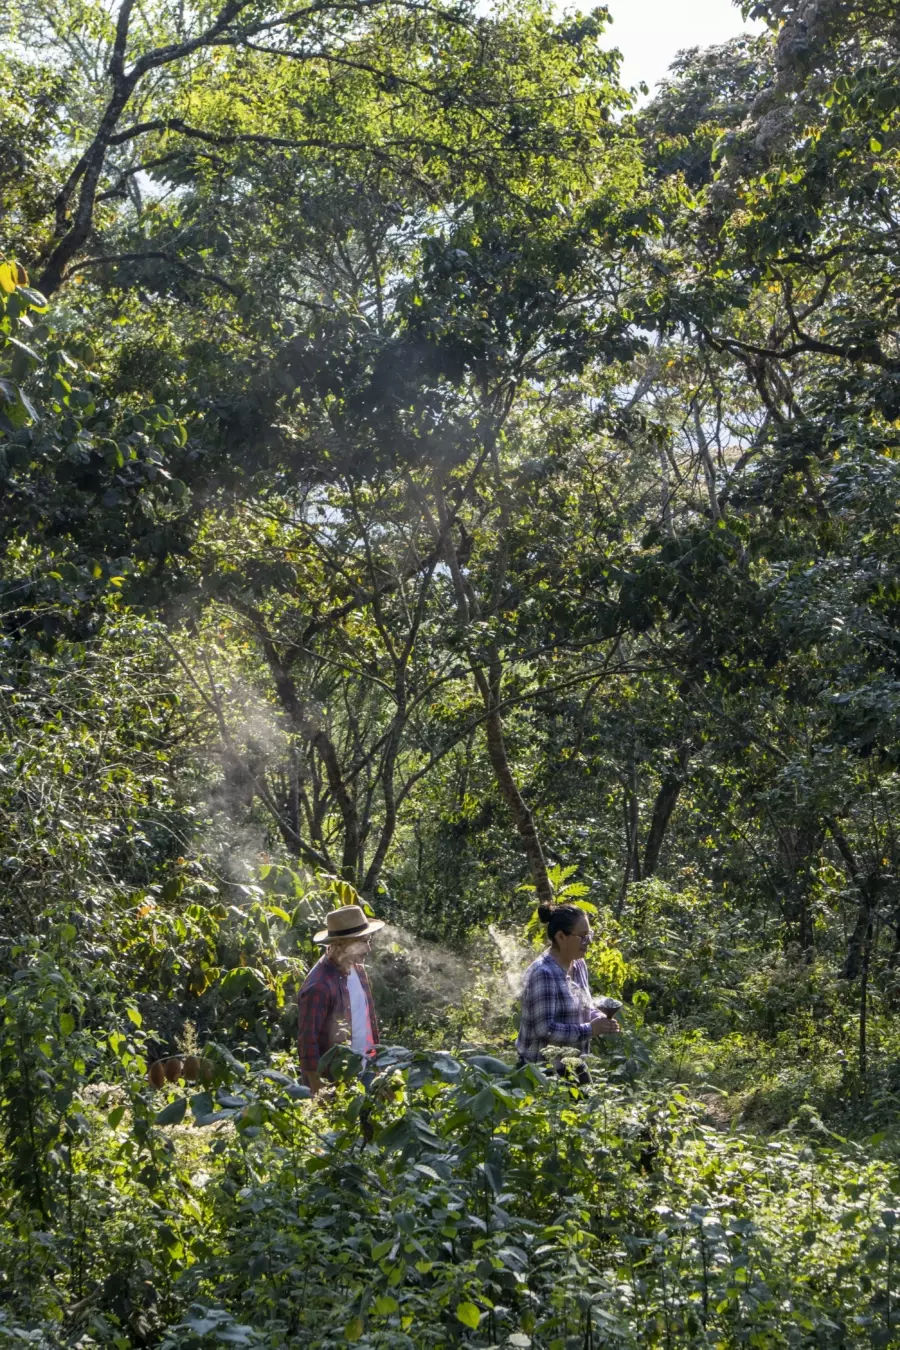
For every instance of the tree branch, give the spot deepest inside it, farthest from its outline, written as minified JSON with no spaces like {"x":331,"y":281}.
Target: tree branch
{"x":156,"y":255}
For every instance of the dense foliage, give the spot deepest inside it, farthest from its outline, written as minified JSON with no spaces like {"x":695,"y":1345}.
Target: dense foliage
{"x":428,"y":478}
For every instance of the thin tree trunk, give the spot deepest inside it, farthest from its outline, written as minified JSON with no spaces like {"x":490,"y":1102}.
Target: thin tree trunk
{"x":389,"y":795}
{"x":87,"y":173}
{"x":864,"y":889}
{"x":663,"y":809}
{"x":634,"y":820}
{"x":489,"y":687}
{"x":630,"y":823}
{"x":665,"y":494}
{"x":856,"y":944}
{"x":318,"y":739}
{"x":709,"y":472}
{"x":518,"y":807}
{"x":89,"y":169}
{"x":350,"y":859}
{"x":895,"y":946}
{"x":864,"y":1008}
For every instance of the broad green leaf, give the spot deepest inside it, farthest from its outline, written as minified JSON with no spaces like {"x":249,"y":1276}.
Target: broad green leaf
{"x":482,"y":1104}
{"x":201,"y":1104}
{"x":173,"y":1114}
{"x":491,"y":1064}
{"x":468,"y":1314}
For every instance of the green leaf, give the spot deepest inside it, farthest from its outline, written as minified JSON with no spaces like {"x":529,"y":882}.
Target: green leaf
{"x":24,"y":349}
{"x":27,"y":405}
{"x":232,"y":1334}
{"x":354,"y":1329}
{"x":490,"y":1064}
{"x":202,"y":1105}
{"x":134,"y":1016}
{"x":396,"y":1136}
{"x":115,"y":1117}
{"x":468,"y":1314}
{"x":384,"y":1305}
{"x":482,"y":1104}
{"x":173,"y":1114}
{"x":66,"y":1023}
{"x":35,"y":300}
{"x":243,"y":980}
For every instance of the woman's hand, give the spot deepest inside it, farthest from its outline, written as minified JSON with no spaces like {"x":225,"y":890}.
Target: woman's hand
{"x":604,"y":1026}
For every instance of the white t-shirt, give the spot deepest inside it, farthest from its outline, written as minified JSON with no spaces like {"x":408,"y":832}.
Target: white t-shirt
{"x":361,"y":1038}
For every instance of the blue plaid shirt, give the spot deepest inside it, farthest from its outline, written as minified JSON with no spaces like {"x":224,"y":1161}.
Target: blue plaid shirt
{"x":552,"y":1012}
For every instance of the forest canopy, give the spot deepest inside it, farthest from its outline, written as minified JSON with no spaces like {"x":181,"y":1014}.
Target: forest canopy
{"x":434,"y":477}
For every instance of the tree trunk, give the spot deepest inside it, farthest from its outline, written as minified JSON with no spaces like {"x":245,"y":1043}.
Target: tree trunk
{"x":853,"y":961}
{"x":91,"y":169}
{"x":798,"y":848}
{"x":631,"y":824}
{"x":292,"y":704}
{"x":389,"y":823}
{"x":489,"y":685}
{"x":351,"y":857}
{"x":521,"y":814}
{"x":867,"y":890}
{"x":663,"y":808}
{"x":709,"y":472}
{"x":864,"y":1007}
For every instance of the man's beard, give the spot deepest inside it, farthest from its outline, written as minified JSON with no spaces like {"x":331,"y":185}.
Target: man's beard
{"x":350,"y":953}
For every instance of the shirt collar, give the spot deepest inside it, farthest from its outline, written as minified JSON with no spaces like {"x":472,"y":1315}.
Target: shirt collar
{"x":554,"y":965}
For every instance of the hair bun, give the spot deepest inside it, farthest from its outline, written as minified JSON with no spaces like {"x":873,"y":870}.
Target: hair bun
{"x":545,"y":913}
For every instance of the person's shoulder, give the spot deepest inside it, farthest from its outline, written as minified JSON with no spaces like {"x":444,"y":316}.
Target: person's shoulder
{"x":539,"y":965}
{"x":317,"y":974}
{"x":579,"y":969}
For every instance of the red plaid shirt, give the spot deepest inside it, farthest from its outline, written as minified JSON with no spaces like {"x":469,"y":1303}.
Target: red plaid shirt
{"x":324,"y":1016}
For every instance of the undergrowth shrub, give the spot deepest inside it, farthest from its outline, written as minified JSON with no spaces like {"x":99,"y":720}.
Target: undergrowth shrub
{"x":461,"y":1201}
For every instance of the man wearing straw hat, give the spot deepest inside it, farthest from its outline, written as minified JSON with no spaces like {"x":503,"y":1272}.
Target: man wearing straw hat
{"x":335,"y":1001}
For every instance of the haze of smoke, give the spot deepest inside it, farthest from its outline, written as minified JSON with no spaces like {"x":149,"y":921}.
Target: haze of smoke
{"x":235,"y":838}
{"x":514,"y":955}
{"x":416,"y":981}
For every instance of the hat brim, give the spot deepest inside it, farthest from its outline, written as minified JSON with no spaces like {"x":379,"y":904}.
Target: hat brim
{"x":373,"y":926}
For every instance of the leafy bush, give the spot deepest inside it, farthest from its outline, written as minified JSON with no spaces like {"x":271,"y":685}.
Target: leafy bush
{"x":461,"y":1201}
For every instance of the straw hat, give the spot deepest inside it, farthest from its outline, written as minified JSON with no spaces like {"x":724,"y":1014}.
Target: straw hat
{"x":348,"y":921}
